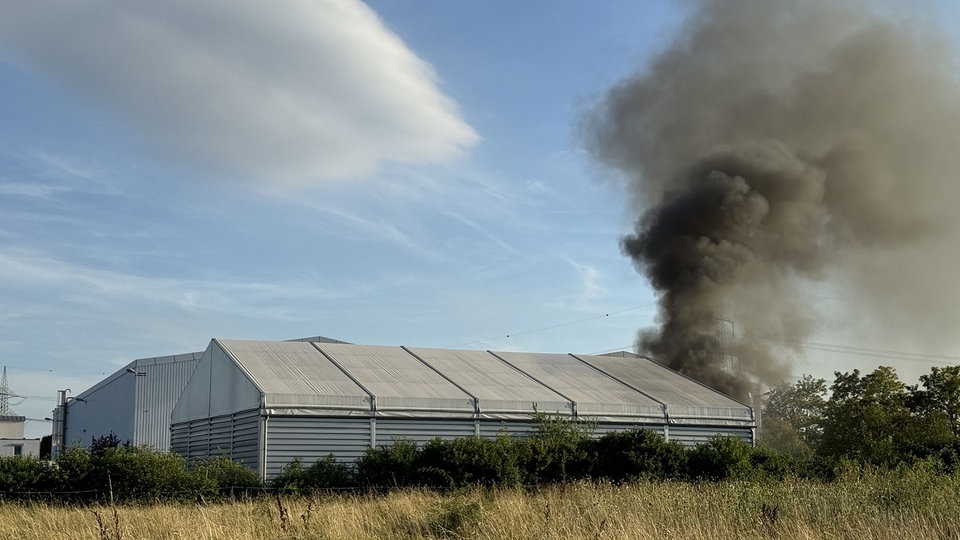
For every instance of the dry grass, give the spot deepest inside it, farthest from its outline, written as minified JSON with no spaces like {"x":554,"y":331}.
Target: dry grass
{"x":878,"y":508}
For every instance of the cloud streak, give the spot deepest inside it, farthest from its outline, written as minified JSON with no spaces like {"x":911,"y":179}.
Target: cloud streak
{"x":287,"y":93}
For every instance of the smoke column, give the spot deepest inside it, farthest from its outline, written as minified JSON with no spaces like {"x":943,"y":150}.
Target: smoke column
{"x":781,"y":143}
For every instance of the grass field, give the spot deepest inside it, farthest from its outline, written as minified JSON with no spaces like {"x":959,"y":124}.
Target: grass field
{"x":877,"y":506}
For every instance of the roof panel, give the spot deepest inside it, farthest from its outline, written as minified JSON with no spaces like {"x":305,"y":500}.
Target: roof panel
{"x":290,"y":368}
{"x":662,"y":383}
{"x":393,"y":373}
{"x":577,"y":380}
{"x":495,"y":383}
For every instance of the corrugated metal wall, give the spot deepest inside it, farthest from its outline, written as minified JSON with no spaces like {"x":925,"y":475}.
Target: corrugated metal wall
{"x":312,"y":438}
{"x":490,"y":429}
{"x":234,"y":435}
{"x":157,"y":391}
{"x":421,"y":431}
{"x":694,"y":435}
{"x":602,"y":429}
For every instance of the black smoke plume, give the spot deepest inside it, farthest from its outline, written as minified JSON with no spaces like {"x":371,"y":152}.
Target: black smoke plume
{"x":778,"y":144}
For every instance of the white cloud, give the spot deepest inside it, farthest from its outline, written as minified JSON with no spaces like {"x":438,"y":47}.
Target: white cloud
{"x":292,"y":92}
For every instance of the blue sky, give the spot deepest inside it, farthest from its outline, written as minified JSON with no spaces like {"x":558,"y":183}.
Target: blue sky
{"x":394,"y":172}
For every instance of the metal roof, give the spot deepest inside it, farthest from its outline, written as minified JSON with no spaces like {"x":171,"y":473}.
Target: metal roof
{"x":593,"y":391}
{"x":397,"y":378}
{"x":382,"y":378}
{"x":294,"y":373}
{"x":495,"y":383}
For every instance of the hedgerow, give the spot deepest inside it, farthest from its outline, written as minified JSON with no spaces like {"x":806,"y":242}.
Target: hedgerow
{"x":559,"y":451}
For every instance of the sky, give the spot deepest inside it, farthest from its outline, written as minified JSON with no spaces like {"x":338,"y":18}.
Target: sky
{"x":389,"y":173}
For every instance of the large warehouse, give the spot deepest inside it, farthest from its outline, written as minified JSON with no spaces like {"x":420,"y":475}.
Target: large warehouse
{"x":265,"y":403}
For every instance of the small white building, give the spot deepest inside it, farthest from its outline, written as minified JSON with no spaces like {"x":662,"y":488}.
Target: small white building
{"x":12,"y":442}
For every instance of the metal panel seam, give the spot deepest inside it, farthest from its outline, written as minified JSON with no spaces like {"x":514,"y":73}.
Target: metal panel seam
{"x":373,"y":397}
{"x":476,"y":400}
{"x":573,"y":404}
{"x":663,"y":405}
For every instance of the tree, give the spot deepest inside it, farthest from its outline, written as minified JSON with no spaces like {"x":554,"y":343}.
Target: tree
{"x":792,"y":415}
{"x":866,"y":418}
{"x":939,"y":400}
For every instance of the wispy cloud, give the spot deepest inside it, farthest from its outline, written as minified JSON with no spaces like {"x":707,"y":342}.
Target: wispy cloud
{"x":291,"y":92}
{"x":591,"y":288}
{"x":38,"y":274}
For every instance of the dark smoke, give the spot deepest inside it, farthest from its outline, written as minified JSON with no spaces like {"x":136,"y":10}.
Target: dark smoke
{"x":781,"y":143}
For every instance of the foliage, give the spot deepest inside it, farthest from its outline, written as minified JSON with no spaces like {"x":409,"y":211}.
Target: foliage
{"x":638,"y":453}
{"x":471,"y":461}
{"x":223,"y":476}
{"x":558,"y":451}
{"x":792,"y":415}
{"x":142,"y":474}
{"x":389,"y":466}
{"x":720,"y":459}
{"x":100,"y":445}
{"x":23,"y":476}
{"x":867,"y":419}
{"x":939,"y":399}
{"x":325,"y":473}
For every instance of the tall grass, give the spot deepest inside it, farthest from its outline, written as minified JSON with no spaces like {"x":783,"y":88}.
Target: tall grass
{"x":909,"y":504}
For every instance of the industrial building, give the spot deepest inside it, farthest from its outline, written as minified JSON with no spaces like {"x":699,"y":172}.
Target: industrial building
{"x":264,"y":403}
{"x":134,"y":403}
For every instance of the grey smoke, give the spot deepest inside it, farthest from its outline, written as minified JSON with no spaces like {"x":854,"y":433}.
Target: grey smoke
{"x":780,"y":143}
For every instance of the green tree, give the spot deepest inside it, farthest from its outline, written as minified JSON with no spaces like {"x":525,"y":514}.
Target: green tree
{"x":867,"y":418}
{"x":938,"y":401}
{"x":793,"y":415}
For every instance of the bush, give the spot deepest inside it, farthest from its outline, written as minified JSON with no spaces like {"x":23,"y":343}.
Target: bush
{"x":222,"y":476}
{"x":389,"y":466}
{"x":470,"y":461}
{"x":325,"y":473}
{"x":720,"y":459}
{"x":24,"y":477}
{"x":75,"y":470}
{"x":141,"y":474}
{"x":640,"y":453}
{"x":561,"y":450}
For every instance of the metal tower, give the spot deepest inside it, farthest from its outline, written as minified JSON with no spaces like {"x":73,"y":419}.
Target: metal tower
{"x":5,"y":394}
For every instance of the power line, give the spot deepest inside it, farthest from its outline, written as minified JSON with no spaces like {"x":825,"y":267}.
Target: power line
{"x":882,"y":353}
{"x":551,"y":327}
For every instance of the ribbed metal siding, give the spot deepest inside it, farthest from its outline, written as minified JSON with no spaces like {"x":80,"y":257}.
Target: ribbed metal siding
{"x":312,"y":438}
{"x":235,"y":435}
{"x":157,"y":392}
{"x":694,"y":435}
{"x":603,"y":428}
{"x":421,"y":431}
{"x":490,"y":429}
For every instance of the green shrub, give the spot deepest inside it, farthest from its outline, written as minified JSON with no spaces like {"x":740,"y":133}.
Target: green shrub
{"x":720,"y":459}
{"x":561,"y":450}
{"x":25,"y":477}
{"x":141,"y":474}
{"x":470,"y":461}
{"x":389,"y":466}
{"x":75,"y":470}
{"x":224,"y":477}
{"x":325,"y":473}
{"x":639,"y":453}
